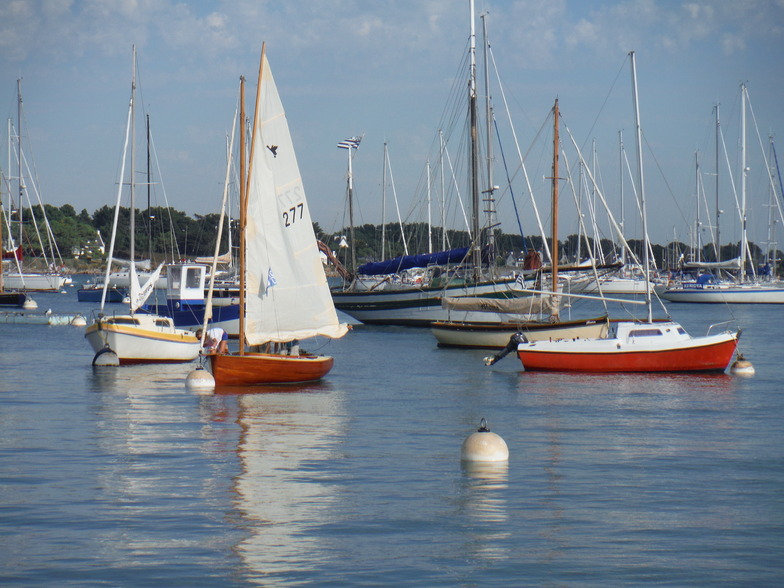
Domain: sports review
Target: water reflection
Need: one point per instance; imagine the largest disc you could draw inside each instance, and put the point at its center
(150, 470)
(716, 386)
(282, 492)
(484, 501)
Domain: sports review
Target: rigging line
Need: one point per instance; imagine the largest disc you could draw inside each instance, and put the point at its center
(778, 170)
(606, 99)
(666, 183)
(762, 149)
(509, 184)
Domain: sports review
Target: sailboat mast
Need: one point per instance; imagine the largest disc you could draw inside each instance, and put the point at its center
(351, 214)
(383, 204)
(149, 184)
(132, 224)
(243, 209)
(477, 242)
(640, 178)
(19, 156)
(697, 239)
(490, 192)
(620, 172)
(429, 216)
(717, 244)
(554, 247)
(744, 170)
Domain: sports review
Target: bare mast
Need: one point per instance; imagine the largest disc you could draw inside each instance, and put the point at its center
(554, 246)
(474, 154)
(646, 256)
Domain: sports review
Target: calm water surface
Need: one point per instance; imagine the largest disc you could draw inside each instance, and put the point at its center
(122, 477)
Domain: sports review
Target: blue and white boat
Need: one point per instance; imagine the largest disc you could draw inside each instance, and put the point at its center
(186, 303)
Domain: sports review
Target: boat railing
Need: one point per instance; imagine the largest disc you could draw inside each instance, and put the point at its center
(710, 328)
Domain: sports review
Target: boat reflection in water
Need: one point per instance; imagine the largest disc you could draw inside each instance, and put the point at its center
(281, 492)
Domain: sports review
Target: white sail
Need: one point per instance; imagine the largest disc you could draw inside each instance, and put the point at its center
(729, 264)
(140, 294)
(287, 293)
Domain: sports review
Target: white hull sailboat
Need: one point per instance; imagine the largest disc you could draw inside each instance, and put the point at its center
(737, 291)
(33, 282)
(461, 269)
(754, 293)
(135, 337)
(283, 287)
(23, 279)
(632, 346)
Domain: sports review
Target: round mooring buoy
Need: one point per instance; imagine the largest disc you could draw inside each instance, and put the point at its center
(742, 367)
(484, 445)
(106, 357)
(29, 304)
(200, 379)
(79, 321)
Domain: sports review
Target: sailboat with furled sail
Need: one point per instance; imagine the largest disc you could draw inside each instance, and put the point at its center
(283, 287)
(632, 346)
(533, 318)
(135, 337)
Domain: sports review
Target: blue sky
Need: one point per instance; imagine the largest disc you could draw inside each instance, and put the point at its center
(384, 70)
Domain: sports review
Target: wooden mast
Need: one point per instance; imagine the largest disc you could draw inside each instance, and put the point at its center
(242, 216)
(554, 252)
(244, 195)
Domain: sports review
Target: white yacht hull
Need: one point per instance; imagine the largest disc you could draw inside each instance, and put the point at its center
(34, 282)
(142, 339)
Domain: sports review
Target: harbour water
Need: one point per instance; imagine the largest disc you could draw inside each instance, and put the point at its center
(123, 477)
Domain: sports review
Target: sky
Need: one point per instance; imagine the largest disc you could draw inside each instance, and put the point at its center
(385, 70)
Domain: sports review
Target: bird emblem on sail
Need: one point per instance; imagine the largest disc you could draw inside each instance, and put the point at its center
(273, 149)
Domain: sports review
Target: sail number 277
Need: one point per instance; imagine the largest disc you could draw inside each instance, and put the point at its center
(290, 215)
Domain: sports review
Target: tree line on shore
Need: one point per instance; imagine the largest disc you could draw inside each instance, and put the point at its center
(167, 234)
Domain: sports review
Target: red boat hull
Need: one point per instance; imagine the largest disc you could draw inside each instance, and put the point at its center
(262, 368)
(707, 358)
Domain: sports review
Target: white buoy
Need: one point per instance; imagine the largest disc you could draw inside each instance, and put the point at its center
(30, 304)
(79, 321)
(106, 357)
(742, 367)
(200, 379)
(484, 445)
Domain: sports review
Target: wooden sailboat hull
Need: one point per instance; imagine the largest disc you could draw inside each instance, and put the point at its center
(662, 353)
(263, 368)
(470, 335)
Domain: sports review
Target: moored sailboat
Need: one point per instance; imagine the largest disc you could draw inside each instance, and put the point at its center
(20, 278)
(538, 317)
(455, 272)
(632, 346)
(283, 287)
(135, 337)
(740, 290)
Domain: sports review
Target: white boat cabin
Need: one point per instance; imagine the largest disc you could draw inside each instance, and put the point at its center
(186, 282)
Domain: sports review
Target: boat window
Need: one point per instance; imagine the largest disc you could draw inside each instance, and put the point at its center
(162, 322)
(645, 333)
(124, 320)
(175, 274)
(192, 279)
(681, 331)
